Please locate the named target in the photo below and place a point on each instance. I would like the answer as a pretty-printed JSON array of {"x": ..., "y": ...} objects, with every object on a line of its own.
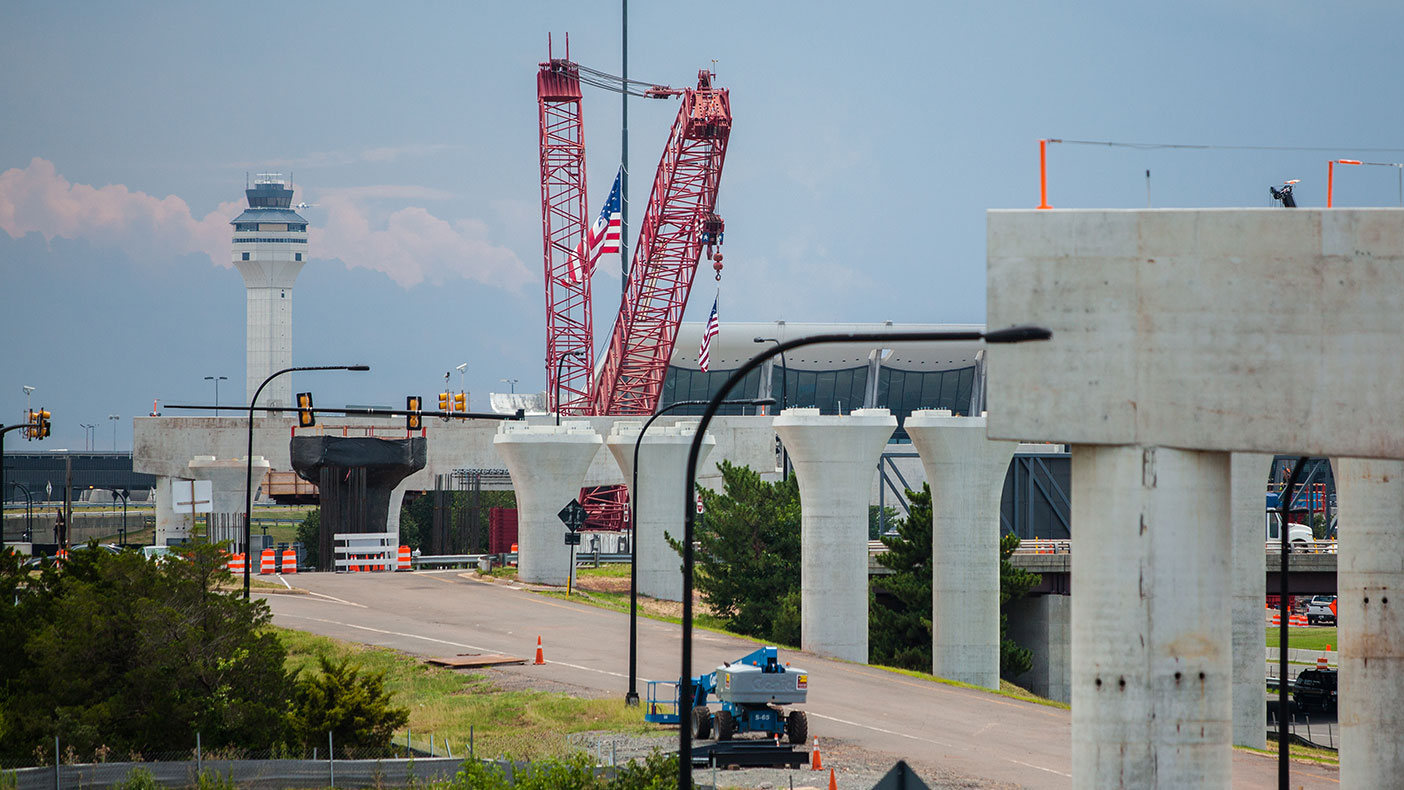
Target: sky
[{"x": 868, "y": 142}]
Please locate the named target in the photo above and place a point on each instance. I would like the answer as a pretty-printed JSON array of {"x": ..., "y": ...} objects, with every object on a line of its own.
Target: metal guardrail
[{"x": 510, "y": 558}]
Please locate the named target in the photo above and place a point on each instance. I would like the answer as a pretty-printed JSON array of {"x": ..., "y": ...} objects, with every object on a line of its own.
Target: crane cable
[
  {"x": 617, "y": 84},
  {"x": 1147, "y": 146}
]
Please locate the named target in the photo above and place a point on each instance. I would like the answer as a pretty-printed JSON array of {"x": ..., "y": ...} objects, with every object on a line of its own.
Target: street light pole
[
  {"x": 248, "y": 458},
  {"x": 114, "y": 419},
  {"x": 559, "y": 361},
  {"x": 632, "y": 697},
  {"x": 512, "y": 383},
  {"x": 1018, "y": 334},
  {"x": 216, "y": 380},
  {"x": 87, "y": 435}
]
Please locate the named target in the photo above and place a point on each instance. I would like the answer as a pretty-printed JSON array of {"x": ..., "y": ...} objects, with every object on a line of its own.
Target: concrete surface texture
[
  {"x": 1151, "y": 642},
  {"x": 1043, "y": 623},
  {"x": 1370, "y": 579},
  {"x": 228, "y": 480},
  {"x": 966, "y": 471},
  {"x": 658, "y": 502},
  {"x": 835, "y": 458},
  {"x": 1247, "y": 485},
  {"x": 164, "y": 445},
  {"x": 1201, "y": 328},
  {"x": 547, "y": 464}
]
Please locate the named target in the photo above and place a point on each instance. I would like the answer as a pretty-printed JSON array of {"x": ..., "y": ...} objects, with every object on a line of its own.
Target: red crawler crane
[
  {"x": 569, "y": 327},
  {"x": 679, "y": 222}
]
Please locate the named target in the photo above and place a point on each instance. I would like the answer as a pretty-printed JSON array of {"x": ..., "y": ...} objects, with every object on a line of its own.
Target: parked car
[
  {"x": 1315, "y": 689},
  {"x": 1319, "y": 610}
]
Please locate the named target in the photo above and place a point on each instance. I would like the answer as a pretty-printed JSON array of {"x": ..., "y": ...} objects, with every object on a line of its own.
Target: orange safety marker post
[
  {"x": 1331, "y": 177},
  {"x": 1043, "y": 174},
  {"x": 540, "y": 658}
]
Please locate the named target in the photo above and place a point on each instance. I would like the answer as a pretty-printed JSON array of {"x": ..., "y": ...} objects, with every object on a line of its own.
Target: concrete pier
[
  {"x": 658, "y": 505},
  {"x": 966, "y": 471},
  {"x": 835, "y": 459},
  {"x": 1248, "y": 484},
  {"x": 1151, "y": 642},
  {"x": 1370, "y": 607},
  {"x": 548, "y": 465}
]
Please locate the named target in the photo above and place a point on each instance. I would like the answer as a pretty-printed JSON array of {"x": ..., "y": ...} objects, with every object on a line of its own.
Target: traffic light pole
[{"x": 4, "y": 431}]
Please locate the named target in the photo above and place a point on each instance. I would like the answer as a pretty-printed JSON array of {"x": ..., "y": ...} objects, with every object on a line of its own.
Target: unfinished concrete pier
[
  {"x": 657, "y": 506},
  {"x": 835, "y": 458},
  {"x": 966, "y": 471},
  {"x": 548, "y": 465}
]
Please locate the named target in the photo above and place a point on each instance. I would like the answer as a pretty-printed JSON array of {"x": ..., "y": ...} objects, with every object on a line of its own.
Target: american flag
[
  {"x": 704, "y": 359},
  {"x": 600, "y": 238}
]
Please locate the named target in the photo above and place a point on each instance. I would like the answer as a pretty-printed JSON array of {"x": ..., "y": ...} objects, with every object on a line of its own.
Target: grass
[
  {"x": 446, "y": 703},
  {"x": 1309, "y": 638},
  {"x": 1299, "y": 752}
]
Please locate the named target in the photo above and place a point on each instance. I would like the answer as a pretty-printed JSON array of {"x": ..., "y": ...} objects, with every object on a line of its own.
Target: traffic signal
[
  {"x": 43, "y": 423},
  {"x": 443, "y": 401},
  {"x": 31, "y": 425},
  {"x": 458, "y": 403},
  {"x": 306, "y": 418},
  {"x": 413, "y": 421}
]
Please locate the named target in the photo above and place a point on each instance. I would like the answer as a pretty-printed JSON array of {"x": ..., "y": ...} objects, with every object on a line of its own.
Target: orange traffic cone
[
  {"x": 540, "y": 659},
  {"x": 815, "y": 764},
  {"x": 833, "y": 783}
]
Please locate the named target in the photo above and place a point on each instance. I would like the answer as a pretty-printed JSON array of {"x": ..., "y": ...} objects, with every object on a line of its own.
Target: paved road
[{"x": 969, "y": 732}]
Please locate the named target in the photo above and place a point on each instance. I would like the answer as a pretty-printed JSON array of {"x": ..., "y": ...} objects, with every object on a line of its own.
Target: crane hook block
[{"x": 717, "y": 264}]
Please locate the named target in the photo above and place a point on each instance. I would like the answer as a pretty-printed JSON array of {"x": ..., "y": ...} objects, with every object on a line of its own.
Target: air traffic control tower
[{"x": 270, "y": 246}]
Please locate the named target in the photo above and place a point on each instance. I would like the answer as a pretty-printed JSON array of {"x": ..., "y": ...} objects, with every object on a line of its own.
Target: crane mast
[
  {"x": 569, "y": 326},
  {"x": 679, "y": 221}
]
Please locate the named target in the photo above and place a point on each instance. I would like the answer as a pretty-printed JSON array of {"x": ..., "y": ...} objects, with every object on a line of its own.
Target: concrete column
[
  {"x": 966, "y": 471},
  {"x": 835, "y": 459},
  {"x": 397, "y": 503},
  {"x": 1248, "y": 484},
  {"x": 1370, "y": 608},
  {"x": 658, "y": 503},
  {"x": 548, "y": 464},
  {"x": 227, "y": 478},
  {"x": 1151, "y": 641}
]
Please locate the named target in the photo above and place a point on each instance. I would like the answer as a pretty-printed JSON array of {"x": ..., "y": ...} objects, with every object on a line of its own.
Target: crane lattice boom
[
  {"x": 569, "y": 326},
  {"x": 677, "y": 224}
]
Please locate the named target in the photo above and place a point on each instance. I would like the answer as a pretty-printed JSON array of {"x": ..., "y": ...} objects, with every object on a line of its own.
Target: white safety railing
[{"x": 366, "y": 551}]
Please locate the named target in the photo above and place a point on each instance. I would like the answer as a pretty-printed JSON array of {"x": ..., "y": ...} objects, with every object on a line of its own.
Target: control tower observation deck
[{"x": 270, "y": 246}]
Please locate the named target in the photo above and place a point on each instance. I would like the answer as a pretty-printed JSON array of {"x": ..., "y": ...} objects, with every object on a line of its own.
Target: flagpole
[{"x": 624, "y": 163}]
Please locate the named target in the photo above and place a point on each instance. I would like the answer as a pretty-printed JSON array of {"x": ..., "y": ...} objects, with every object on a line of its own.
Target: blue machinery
[{"x": 753, "y": 692}]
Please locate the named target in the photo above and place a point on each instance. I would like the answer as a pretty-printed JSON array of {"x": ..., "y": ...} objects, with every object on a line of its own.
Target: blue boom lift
[{"x": 753, "y": 692}]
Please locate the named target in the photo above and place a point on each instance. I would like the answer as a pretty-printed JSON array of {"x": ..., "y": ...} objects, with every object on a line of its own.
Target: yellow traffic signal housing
[
  {"x": 43, "y": 423},
  {"x": 443, "y": 401},
  {"x": 413, "y": 420},
  {"x": 458, "y": 402},
  {"x": 306, "y": 418}
]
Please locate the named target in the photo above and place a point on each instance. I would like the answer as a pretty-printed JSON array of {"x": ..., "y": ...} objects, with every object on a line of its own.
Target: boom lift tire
[
  {"x": 726, "y": 725},
  {"x": 701, "y": 723},
  {"x": 797, "y": 727}
]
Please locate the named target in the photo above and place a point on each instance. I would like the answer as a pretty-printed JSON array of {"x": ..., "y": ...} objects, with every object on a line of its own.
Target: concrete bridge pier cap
[
  {"x": 835, "y": 458},
  {"x": 657, "y": 506},
  {"x": 1210, "y": 331},
  {"x": 548, "y": 465},
  {"x": 966, "y": 471}
]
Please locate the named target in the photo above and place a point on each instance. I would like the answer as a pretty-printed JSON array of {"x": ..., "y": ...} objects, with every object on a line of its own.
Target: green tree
[
  {"x": 899, "y": 622},
  {"x": 748, "y": 566},
  {"x": 309, "y": 535},
  {"x": 341, "y": 699},
  {"x": 900, "y": 619},
  {"x": 137, "y": 655},
  {"x": 1014, "y": 583}
]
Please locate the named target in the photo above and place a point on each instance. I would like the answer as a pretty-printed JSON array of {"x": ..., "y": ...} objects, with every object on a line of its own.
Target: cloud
[
  {"x": 39, "y": 200},
  {"x": 410, "y": 245}
]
